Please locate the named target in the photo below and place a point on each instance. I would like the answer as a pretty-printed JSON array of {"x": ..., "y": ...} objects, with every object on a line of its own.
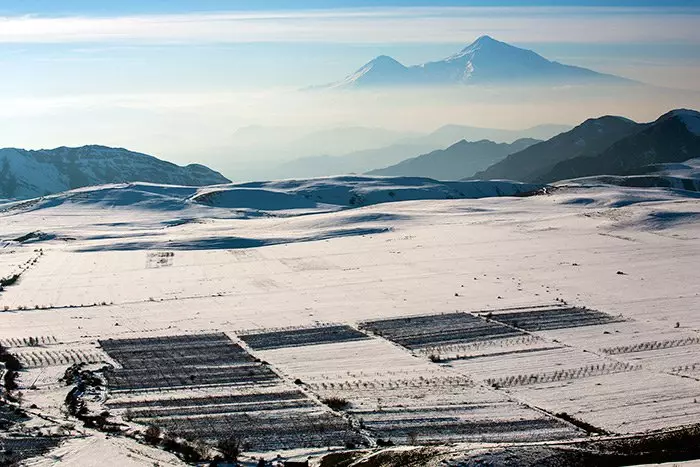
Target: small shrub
[
  {"x": 8, "y": 281},
  {"x": 152, "y": 434},
  {"x": 169, "y": 443},
  {"x": 10, "y": 381},
  {"x": 230, "y": 446},
  {"x": 336, "y": 403}
]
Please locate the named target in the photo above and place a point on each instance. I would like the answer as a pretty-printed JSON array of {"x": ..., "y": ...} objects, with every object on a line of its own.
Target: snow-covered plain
[{"x": 130, "y": 261}]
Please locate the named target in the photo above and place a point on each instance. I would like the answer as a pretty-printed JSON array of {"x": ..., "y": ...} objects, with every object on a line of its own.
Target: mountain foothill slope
[{"x": 605, "y": 146}]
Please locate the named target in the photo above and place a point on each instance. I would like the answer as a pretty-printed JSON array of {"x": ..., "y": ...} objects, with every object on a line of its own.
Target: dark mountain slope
[
  {"x": 461, "y": 160},
  {"x": 587, "y": 139}
]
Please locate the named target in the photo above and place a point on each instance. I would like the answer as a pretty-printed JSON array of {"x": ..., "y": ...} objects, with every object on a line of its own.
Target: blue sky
[
  {"x": 78, "y": 71},
  {"x": 50, "y": 7}
]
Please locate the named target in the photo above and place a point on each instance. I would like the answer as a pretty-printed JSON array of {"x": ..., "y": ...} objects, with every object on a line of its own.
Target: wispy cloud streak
[{"x": 381, "y": 25}]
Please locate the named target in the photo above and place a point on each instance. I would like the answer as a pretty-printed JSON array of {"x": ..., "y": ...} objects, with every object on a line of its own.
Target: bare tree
[{"x": 230, "y": 446}]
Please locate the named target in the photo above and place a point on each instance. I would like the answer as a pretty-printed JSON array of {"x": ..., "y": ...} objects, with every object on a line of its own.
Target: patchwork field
[
  {"x": 246, "y": 398},
  {"x": 489, "y": 322}
]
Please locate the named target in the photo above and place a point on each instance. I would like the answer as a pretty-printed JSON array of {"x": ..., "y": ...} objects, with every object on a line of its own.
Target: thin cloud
[{"x": 381, "y": 25}]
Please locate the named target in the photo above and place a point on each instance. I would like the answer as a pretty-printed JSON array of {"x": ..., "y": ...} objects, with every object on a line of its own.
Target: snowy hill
[
  {"x": 679, "y": 176},
  {"x": 270, "y": 198},
  {"x": 461, "y": 160},
  {"x": 351, "y": 191},
  {"x": 27, "y": 174},
  {"x": 485, "y": 61}
]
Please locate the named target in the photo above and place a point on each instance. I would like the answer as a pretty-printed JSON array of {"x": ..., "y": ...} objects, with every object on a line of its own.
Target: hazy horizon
[{"x": 179, "y": 79}]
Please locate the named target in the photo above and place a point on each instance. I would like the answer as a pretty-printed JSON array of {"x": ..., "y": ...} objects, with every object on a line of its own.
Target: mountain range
[
  {"x": 607, "y": 145},
  {"x": 485, "y": 61},
  {"x": 403, "y": 148},
  {"x": 29, "y": 174},
  {"x": 610, "y": 147},
  {"x": 672, "y": 138}
]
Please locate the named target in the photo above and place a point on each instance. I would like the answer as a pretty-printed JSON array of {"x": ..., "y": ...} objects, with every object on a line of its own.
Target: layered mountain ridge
[{"x": 609, "y": 145}]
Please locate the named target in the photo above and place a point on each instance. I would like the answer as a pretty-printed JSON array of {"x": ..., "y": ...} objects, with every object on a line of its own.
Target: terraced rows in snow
[
  {"x": 398, "y": 397},
  {"x": 208, "y": 387}
]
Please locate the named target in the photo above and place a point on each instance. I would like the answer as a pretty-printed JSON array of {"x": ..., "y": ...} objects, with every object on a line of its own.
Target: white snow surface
[{"x": 265, "y": 256}]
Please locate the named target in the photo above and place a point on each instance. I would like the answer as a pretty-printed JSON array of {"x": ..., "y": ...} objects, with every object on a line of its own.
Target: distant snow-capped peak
[{"x": 486, "y": 60}]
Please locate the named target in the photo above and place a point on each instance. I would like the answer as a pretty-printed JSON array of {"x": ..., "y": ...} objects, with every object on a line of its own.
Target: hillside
[
  {"x": 461, "y": 160},
  {"x": 587, "y": 139},
  {"x": 673, "y": 137},
  {"x": 28, "y": 174}
]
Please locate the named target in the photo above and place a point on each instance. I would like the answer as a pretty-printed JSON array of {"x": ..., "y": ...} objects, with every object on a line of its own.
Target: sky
[{"x": 179, "y": 77}]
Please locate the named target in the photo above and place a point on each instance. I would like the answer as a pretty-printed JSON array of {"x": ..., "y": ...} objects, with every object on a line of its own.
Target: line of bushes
[{"x": 12, "y": 366}]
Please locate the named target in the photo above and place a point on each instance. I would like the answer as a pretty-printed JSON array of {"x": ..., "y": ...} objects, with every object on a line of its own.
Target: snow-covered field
[{"x": 137, "y": 261}]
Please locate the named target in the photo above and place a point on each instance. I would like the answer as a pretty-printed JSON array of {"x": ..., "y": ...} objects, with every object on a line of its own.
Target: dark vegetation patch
[
  {"x": 16, "y": 448},
  {"x": 14, "y": 278},
  {"x": 555, "y": 318},
  {"x": 434, "y": 428},
  {"x": 671, "y": 446},
  {"x": 33, "y": 236},
  {"x": 302, "y": 337},
  {"x": 265, "y": 432},
  {"x": 10, "y": 366},
  {"x": 340, "y": 459},
  {"x": 414, "y": 457},
  {"x": 585, "y": 426},
  {"x": 650, "y": 345},
  {"x": 597, "y": 369},
  {"x": 336, "y": 403},
  {"x": 231, "y": 399},
  {"x": 204, "y": 406},
  {"x": 10, "y": 415},
  {"x": 9, "y": 280},
  {"x": 87, "y": 384},
  {"x": 183, "y": 361},
  {"x": 436, "y": 330},
  {"x": 255, "y": 412}
]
